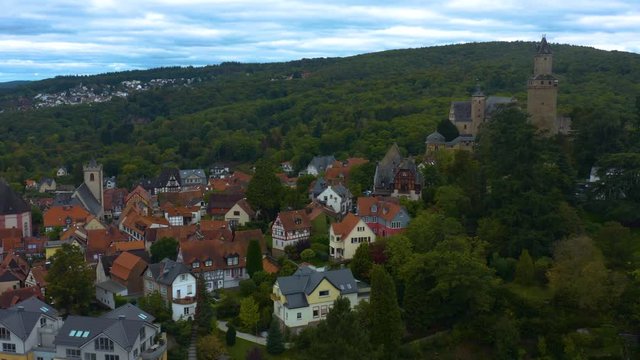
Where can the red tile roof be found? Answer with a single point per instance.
(124, 265)
(58, 215)
(385, 208)
(294, 220)
(345, 227)
(11, 297)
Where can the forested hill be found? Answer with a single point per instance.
(291, 111)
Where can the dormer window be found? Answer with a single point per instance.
(208, 263)
(195, 265)
(232, 260)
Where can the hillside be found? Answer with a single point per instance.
(290, 111)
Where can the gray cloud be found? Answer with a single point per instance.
(43, 39)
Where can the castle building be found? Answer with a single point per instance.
(397, 176)
(467, 116)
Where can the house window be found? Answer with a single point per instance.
(299, 316)
(135, 353)
(324, 310)
(4, 334)
(324, 293)
(89, 356)
(195, 265)
(71, 353)
(163, 290)
(92, 177)
(104, 344)
(7, 347)
(111, 357)
(183, 277)
(186, 311)
(208, 263)
(39, 358)
(43, 322)
(236, 213)
(189, 289)
(316, 312)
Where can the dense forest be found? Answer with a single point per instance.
(509, 255)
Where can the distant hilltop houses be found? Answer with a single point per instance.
(84, 94)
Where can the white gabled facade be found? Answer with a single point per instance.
(335, 201)
(183, 295)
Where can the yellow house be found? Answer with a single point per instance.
(346, 236)
(239, 214)
(307, 296)
(53, 246)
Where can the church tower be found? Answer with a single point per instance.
(542, 91)
(93, 180)
(478, 106)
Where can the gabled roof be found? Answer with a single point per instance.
(112, 286)
(294, 220)
(347, 225)
(124, 265)
(166, 175)
(12, 297)
(223, 201)
(166, 271)
(130, 312)
(58, 215)
(10, 201)
(379, 207)
(36, 305)
(244, 205)
(305, 280)
(128, 245)
(192, 172)
(435, 138)
(318, 186)
(114, 198)
(85, 196)
(321, 162)
(80, 330)
(19, 321)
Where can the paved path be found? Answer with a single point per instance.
(222, 325)
(192, 347)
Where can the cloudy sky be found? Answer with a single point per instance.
(44, 38)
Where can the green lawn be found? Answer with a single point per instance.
(242, 347)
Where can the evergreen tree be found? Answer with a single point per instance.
(275, 340)
(386, 323)
(249, 314)
(204, 308)
(525, 270)
(70, 281)
(254, 258)
(264, 190)
(231, 335)
(361, 263)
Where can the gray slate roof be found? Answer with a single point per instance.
(435, 138)
(19, 322)
(305, 280)
(167, 270)
(544, 47)
(385, 171)
(124, 332)
(10, 201)
(130, 312)
(34, 304)
(321, 162)
(318, 187)
(86, 198)
(342, 191)
(192, 172)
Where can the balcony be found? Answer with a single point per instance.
(185, 300)
(156, 351)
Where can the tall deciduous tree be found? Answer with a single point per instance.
(275, 340)
(254, 257)
(166, 247)
(70, 280)
(386, 323)
(264, 189)
(249, 313)
(361, 263)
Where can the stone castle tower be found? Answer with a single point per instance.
(542, 91)
(93, 178)
(478, 106)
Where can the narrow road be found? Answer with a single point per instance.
(222, 325)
